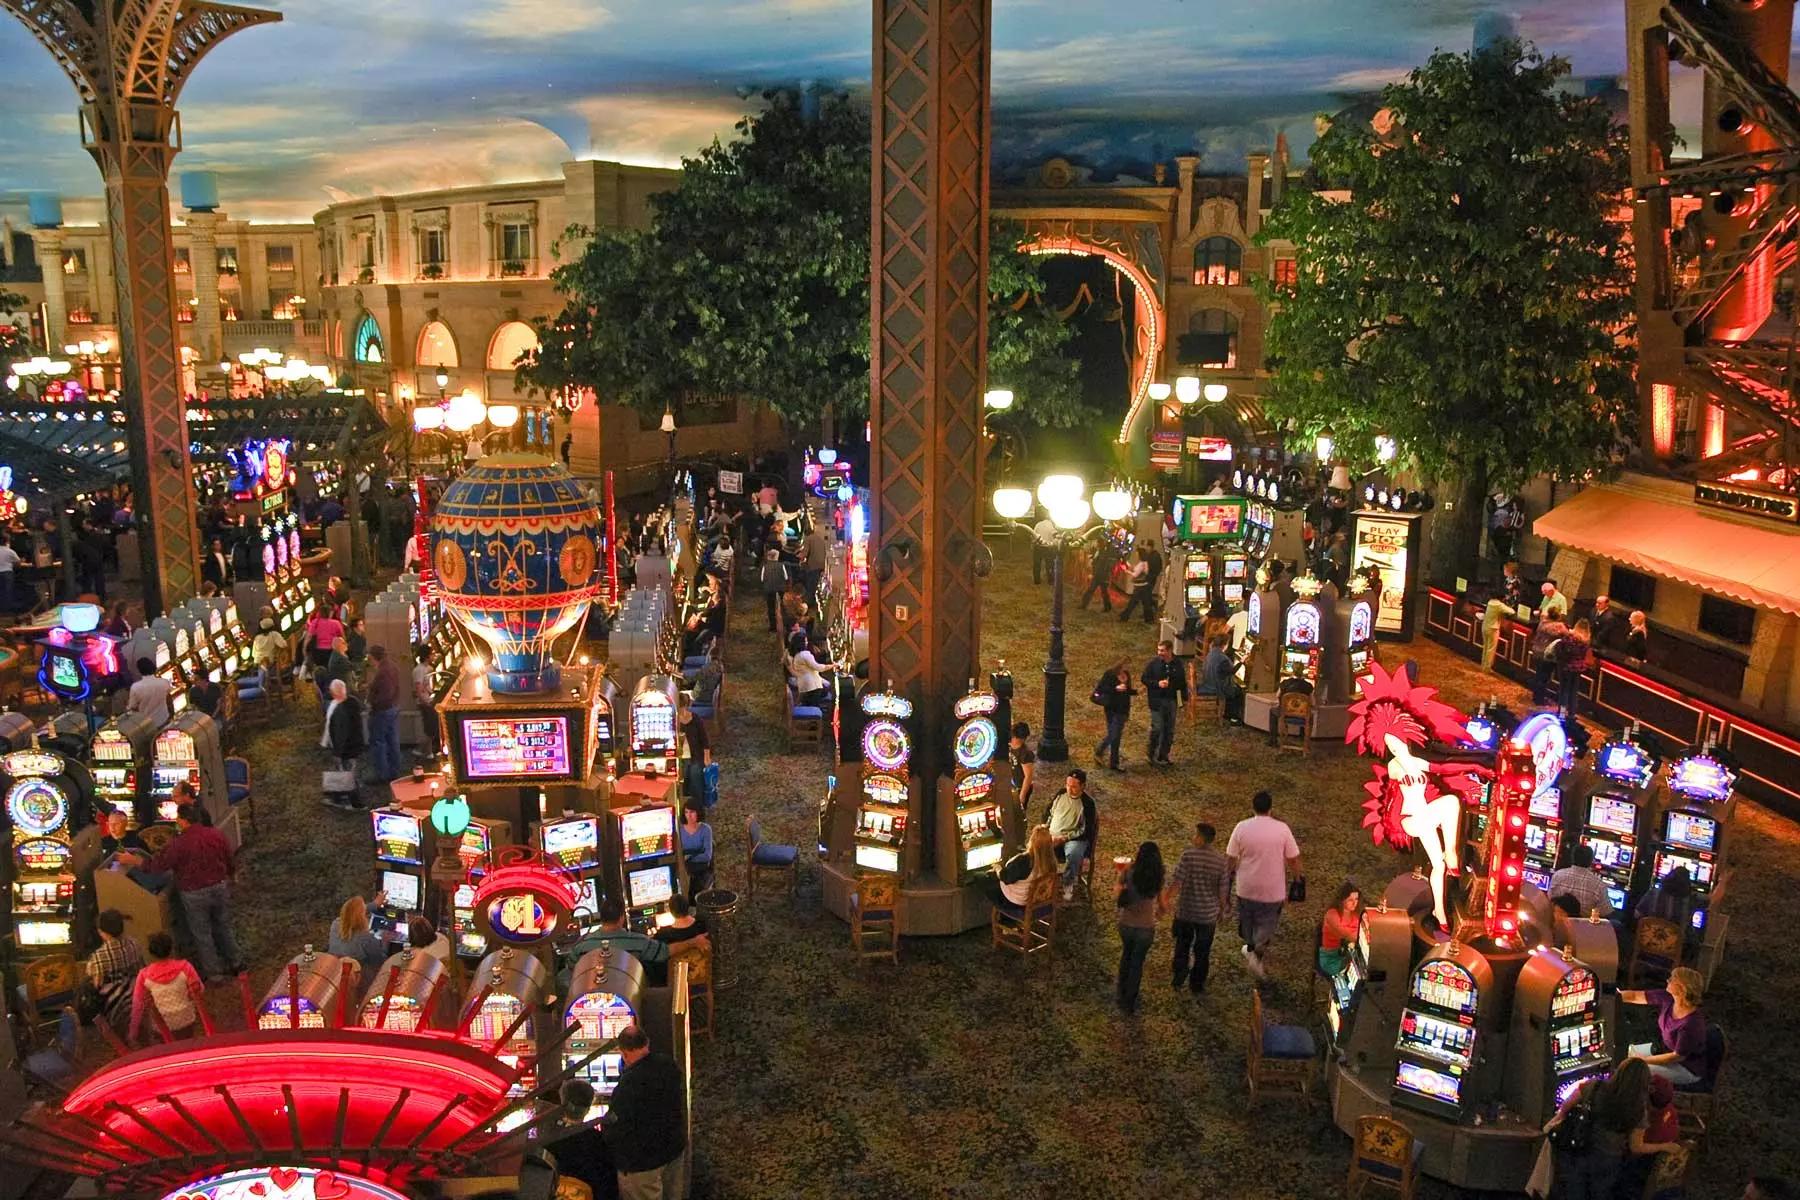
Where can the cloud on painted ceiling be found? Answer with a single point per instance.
(535, 20)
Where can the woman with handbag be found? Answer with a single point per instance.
(1602, 1121)
(1113, 694)
(347, 738)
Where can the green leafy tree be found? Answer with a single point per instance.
(753, 280)
(1463, 284)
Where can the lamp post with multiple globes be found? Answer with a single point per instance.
(1061, 497)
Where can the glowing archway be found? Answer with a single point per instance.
(437, 346)
(1149, 332)
(366, 345)
(509, 343)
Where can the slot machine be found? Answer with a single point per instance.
(1302, 634)
(606, 713)
(605, 991)
(1262, 626)
(1196, 580)
(225, 647)
(972, 799)
(655, 739)
(501, 1016)
(403, 996)
(400, 866)
(192, 619)
(188, 748)
(119, 759)
(1435, 1052)
(469, 937)
(1234, 577)
(1542, 733)
(1357, 1011)
(651, 868)
(171, 648)
(1617, 812)
(41, 810)
(1558, 1040)
(1691, 831)
(885, 810)
(573, 845)
(1357, 616)
(305, 994)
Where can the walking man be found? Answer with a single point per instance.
(1043, 547)
(1263, 856)
(1197, 893)
(1165, 687)
(1105, 559)
(384, 715)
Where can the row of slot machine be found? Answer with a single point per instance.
(505, 1012)
(1455, 1032)
(633, 853)
(199, 637)
(262, 492)
(136, 766)
(1642, 821)
(52, 843)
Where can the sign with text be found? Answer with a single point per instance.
(498, 747)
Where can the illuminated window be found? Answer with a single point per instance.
(183, 263)
(436, 347)
(1211, 339)
(280, 258)
(228, 260)
(74, 262)
(511, 341)
(1286, 275)
(281, 304)
(366, 345)
(1219, 262)
(515, 247)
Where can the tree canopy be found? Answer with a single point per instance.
(1463, 277)
(753, 280)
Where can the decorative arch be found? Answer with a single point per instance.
(366, 345)
(510, 341)
(1117, 254)
(437, 346)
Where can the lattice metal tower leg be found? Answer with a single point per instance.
(929, 355)
(129, 60)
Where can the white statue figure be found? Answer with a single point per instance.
(1433, 823)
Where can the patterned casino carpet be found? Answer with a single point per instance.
(964, 1073)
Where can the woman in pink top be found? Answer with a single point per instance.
(321, 632)
(171, 984)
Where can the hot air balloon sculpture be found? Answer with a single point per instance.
(515, 547)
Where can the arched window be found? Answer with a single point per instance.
(511, 341)
(1211, 339)
(366, 346)
(1219, 261)
(436, 347)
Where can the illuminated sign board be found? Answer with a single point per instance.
(1209, 518)
(496, 747)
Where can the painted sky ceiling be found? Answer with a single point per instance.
(351, 98)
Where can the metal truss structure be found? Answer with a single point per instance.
(129, 60)
(1715, 241)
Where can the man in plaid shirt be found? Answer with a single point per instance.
(1197, 893)
(113, 967)
(1580, 880)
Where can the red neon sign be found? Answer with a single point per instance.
(523, 899)
(1515, 779)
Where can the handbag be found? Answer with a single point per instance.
(1575, 1132)
(1297, 889)
(338, 782)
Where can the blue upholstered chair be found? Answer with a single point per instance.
(237, 787)
(1279, 1057)
(806, 722)
(771, 857)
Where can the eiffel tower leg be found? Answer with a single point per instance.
(136, 169)
(928, 358)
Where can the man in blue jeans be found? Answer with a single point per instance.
(384, 715)
(1072, 820)
(202, 863)
(1166, 689)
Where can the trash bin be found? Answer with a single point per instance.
(719, 909)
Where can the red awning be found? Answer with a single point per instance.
(1759, 566)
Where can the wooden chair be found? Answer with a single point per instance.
(1385, 1155)
(1668, 1175)
(1655, 949)
(237, 788)
(1033, 928)
(874, 917)
(697, 954)
(1280, 1058)
(1695, 1102)
(806, 722)
(47, 986)
(1293, 722)
(771, 858)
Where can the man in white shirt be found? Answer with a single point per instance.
(1263, 855)
(149, 695)
(9, 558)
(1043, 547)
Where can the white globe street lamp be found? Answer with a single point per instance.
(1012, 502)
(1057, 488)
(1216, 392)
(1187, 388)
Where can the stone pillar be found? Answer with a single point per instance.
(1256, 162)
(1185, 165)
(1771, 665)
(207, 336)
(49, 244)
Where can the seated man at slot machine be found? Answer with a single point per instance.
(117, 838)
(1580, 880)
(654, 955)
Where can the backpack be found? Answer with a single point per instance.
(1574, 1134)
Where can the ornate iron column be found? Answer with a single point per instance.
(129, 60)
(928, 351)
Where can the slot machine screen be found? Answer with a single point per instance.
(1578, 1041)
(885, 789)
(1547, 842)
(573, 844)
(1446, 1040)
(647, 832)
(1616, 897)
(1435, 1085)
(1213, 519)
(1627, 763)
(1700, 870)
(1445, 985)
(44, 933)
(1546, 804)
(650, 886)
(475, 849)
(878, 858)
(653, 726)
(1696, 831)
(1538, 879)
(1608, 854)
(984, 855)
(399, 838)
(402, 890)
(275, 1015)
(1614, 814)
(587, 902)
(162, 655)
(1237, 568)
